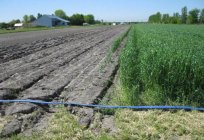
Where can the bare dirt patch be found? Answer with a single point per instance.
(58, 66)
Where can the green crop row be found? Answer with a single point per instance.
(163, 65)
(116, 44)
(118, 41)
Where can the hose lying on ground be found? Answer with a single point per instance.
(104, 106)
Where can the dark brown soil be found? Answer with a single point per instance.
(51, 66)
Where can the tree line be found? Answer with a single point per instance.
(75, 19)
(26, 19)
(194, 16)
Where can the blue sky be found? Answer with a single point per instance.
(108, 10)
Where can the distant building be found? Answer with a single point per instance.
(50, 21)
(85, 24)
(114, 24)
(123, 23)
(18, 25)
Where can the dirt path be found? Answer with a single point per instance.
(53, 65)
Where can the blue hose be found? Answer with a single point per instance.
(103, 106)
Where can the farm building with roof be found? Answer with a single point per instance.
(18, 25)
(50, 21)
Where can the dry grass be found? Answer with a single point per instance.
(160, 124)
(4, 120)
(62, 126)
(153, 124)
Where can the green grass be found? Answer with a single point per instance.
(119, 40)
(163, 65)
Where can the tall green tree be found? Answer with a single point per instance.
(25, 18)
(184, 14)
(165, 18)
(39, 15)
(151, 19)
(98, 22)
(3, 25)
(77, 19)
(89, 19)
(31, 18)
(60, 13)
(11, 23)
(156, 18)
(193, 16)
(202, 16)
(177, 19)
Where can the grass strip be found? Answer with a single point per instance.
(154, 124)
(115, 45)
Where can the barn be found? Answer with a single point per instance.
(50, 21)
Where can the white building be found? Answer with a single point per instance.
(18, 25)
(114, 24)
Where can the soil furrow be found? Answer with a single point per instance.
(43, 54)
(18, 51)
(69, 70)
(29, 66)
(20, 79)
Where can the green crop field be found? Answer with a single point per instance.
(163, 65)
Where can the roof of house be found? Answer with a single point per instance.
(56, 17)
(18, 24)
